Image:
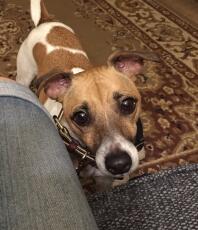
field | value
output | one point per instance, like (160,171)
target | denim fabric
(39,189)
(13,89)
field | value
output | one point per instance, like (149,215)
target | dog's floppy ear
(55,84)
(130,63)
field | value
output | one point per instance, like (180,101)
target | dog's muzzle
(116,163)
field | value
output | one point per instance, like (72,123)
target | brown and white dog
(101,104)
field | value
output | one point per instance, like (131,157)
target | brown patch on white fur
(60,36)
(39,53)
(99,86)
(58,58)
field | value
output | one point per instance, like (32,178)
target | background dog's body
(38,55)
(49,45)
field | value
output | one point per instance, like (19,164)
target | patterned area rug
(14,25)
(169,90)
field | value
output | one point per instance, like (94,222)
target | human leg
(39,187)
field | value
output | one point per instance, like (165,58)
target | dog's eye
(81,117)
(127,105)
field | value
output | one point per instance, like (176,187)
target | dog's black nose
(118,163)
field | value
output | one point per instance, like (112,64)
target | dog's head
(102,106)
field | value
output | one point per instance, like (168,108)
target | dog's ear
(55,84)
(131,63)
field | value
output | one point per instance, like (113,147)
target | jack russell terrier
(101,105)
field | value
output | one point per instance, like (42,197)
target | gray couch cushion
(167,200)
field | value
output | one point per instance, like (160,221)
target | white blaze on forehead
(124,145)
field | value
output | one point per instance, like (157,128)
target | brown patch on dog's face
(92,106)
(60,36)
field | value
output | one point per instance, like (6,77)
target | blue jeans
(39,188)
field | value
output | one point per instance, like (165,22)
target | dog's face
(101,108)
